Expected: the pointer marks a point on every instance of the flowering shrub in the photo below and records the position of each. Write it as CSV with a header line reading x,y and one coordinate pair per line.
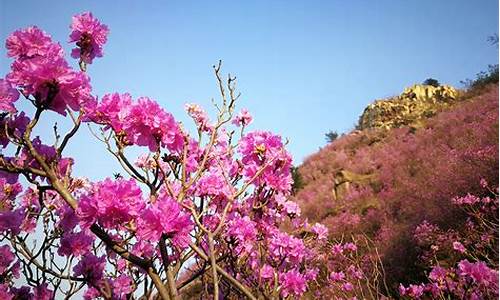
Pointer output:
x,y
463,264
208,208
413,171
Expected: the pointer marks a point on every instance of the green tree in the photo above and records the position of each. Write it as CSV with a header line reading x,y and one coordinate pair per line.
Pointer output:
x,y
331,136
431,81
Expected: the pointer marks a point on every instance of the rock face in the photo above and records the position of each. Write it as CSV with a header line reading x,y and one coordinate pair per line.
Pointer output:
x,y
415,103
344,179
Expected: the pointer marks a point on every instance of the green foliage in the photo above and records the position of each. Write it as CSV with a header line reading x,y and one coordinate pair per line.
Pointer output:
x,y
431,81
482,78
298,183
331,136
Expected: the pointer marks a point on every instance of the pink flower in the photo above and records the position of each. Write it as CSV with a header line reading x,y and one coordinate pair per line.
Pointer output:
x,y
90,36
292,283
8,95
438,274
284,246
112,110
337,276
75,244
337,249
91,268
112,203
51,82
12,220
267,272
466,200
122,286
260,149
165,216
311,274
28,43
414,291
483,183
244,231
479,272
147,124
291,208
243,118
320,230
16,125
6,258
350,247
42,292
4,292
355,272
459,247
347,287
199,116
213,183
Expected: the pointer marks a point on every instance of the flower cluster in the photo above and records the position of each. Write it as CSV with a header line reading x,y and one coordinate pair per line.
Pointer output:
x,y
476,279
42,74
90,36
243,118
142,123
111,203
261,149
165,217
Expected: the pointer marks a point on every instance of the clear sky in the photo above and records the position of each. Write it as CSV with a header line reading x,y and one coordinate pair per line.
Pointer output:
x,y
304,67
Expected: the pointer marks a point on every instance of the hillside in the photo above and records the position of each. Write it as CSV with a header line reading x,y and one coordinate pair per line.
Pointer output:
x,y
384,180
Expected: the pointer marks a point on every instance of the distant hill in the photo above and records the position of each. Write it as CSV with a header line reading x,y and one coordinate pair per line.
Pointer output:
x,y
410,155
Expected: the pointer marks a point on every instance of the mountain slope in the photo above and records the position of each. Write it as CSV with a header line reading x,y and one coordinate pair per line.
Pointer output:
x,y
383,182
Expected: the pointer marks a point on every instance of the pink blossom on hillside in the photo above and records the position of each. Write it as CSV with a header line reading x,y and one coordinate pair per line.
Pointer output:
x,y
479,272
320,230
90,36
459,247
267,273
337,276
292,283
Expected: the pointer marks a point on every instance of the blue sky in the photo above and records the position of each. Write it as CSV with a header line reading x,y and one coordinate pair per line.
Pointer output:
x,y
304,67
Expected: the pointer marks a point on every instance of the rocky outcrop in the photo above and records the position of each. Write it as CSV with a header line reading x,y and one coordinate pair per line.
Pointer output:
x,y
344,179
414,104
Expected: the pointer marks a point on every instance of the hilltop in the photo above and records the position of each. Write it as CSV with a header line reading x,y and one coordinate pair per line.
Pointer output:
x,y
408,157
